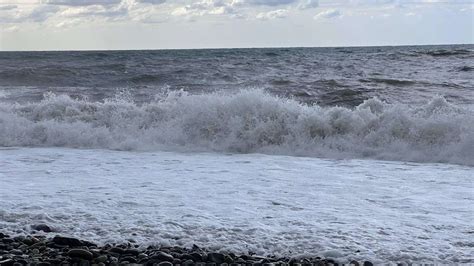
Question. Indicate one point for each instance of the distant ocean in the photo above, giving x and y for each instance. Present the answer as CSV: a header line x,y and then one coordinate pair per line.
x,y
378,126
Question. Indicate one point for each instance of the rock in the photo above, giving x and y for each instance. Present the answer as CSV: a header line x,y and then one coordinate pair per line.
x,y
188,262
80,253
142,256
196,256
7,262
16,252
30,241
165,263
102,258
368,263
2,235
67,241
117,250
354,263
132,252
216,257
42,227
129,259
53,261
162,256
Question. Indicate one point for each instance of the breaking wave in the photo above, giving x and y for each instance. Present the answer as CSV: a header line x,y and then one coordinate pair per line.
x,y
247,121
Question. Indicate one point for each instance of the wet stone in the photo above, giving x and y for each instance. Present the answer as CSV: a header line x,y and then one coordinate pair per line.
x,y
67,241
162,256
216,257
80,253
117,250
102,258
42,227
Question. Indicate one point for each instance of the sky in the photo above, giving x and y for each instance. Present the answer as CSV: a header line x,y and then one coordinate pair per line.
x,y
179,24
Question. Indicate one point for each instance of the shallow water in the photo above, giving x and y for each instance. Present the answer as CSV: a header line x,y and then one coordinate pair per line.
x,y
282,205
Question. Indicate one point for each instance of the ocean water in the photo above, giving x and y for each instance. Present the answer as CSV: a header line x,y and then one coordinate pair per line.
x,y
351,153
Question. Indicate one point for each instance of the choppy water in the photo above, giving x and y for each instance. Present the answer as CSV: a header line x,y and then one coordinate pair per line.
x,y
391,103
327,76
396,103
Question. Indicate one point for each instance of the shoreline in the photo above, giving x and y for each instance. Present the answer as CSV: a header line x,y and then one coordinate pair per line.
x,y
62,250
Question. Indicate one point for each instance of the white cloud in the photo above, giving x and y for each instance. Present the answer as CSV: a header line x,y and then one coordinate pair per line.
x,y
205,7
154,2
330,13
80,2
269,2
38,13
280,13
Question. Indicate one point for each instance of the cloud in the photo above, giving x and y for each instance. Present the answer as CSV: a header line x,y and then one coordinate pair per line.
x,y
154,2
305,4
330,13
280,13
89,12
36,14
8,7
269,2
80,2
205,7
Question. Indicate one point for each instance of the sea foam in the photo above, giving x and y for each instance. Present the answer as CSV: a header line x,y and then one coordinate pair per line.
x,y
248,121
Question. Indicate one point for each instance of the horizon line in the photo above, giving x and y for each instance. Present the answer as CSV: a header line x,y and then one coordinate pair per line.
x,y
234,48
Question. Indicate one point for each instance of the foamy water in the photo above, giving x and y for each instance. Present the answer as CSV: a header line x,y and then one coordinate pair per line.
x,y
348,153
245,122
270,205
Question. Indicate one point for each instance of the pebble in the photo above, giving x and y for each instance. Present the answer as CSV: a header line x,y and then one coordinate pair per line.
x,y
162,256
60,250
42,227
80,253
102,258
68,241
216,257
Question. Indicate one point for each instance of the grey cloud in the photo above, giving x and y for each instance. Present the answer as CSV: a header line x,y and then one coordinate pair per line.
x,y
41,13
269,2
154,2
38,14
330,13
80,2
305,4
280,13
97,11
395,2
8,7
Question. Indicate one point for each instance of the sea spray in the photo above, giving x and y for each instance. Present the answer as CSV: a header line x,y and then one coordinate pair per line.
x,y
247,121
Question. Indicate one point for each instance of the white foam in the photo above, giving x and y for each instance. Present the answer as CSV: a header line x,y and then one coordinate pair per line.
x,y
247,121
280,205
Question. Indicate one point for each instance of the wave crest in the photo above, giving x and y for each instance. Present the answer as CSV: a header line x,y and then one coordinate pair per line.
x,y
246,121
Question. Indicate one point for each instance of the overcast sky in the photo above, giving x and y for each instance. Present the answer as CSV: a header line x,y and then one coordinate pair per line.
x,y
156,24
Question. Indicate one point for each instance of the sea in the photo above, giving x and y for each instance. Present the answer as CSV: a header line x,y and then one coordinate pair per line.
x,y
350,153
